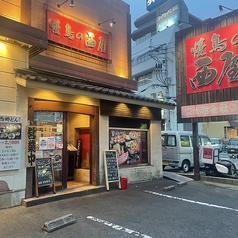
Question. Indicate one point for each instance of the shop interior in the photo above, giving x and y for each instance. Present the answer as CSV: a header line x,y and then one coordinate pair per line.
x,y
49,144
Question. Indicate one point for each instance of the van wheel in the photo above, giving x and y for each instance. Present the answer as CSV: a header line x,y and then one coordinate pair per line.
x,y
185,166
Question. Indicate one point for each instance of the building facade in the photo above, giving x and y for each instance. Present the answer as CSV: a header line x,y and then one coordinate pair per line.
x,y
153,56
67,97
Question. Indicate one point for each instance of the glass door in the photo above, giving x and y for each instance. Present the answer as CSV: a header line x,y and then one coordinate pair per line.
x,y
49,139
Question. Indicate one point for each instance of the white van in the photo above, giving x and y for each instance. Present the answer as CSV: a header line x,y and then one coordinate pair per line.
x,y
177,148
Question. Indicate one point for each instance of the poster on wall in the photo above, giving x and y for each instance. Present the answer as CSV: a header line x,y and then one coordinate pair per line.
x,y
128,145
47,143
10,142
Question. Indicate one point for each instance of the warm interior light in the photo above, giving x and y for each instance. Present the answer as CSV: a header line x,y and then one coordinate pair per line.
x,y
3,49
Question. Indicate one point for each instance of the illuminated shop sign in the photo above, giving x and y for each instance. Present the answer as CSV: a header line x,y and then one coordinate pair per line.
x,y
226,108
77,36
150,4
168,18
211,60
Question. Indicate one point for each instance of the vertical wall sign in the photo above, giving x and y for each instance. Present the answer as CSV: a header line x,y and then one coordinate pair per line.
x,y
111,168
10,142
31,146
77,36
211,60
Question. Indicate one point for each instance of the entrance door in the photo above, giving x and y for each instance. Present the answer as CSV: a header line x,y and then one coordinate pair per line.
x,y
49,140
79,144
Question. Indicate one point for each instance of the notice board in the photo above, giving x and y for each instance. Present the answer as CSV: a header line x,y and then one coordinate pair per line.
x,y
111,168
44,173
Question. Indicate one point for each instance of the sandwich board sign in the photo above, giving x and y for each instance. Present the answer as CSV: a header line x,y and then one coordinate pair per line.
x,y
111,168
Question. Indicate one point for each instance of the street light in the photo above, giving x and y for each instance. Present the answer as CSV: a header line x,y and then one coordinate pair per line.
x,y
221,8
112,22
71,3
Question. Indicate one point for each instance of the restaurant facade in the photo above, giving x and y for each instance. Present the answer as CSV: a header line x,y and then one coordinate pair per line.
x,y
67,96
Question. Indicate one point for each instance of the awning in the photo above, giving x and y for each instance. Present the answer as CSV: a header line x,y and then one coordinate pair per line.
x,y
31,79
24,34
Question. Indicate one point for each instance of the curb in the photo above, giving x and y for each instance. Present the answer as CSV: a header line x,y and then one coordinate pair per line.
x,y
169,188
58,223
56,197
181,184
228,181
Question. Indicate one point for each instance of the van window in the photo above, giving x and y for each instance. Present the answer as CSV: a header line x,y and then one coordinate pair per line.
x,y
206,140
169,140
203,140
184,140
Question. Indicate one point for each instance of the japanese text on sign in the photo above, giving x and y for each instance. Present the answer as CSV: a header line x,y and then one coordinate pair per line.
x,y
78,36
10,142
211,60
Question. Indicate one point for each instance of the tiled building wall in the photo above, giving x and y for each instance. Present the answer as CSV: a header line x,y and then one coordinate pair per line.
x,y
13,103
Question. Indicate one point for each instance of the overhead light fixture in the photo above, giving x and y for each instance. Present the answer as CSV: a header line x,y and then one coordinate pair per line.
x,y
71,3
112,22
221,8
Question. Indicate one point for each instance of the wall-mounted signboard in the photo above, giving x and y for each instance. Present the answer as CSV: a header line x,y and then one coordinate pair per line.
x,y
111,168
10,142
211,60
77,36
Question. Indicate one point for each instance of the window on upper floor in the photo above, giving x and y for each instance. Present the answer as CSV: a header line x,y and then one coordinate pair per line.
x,y
144,79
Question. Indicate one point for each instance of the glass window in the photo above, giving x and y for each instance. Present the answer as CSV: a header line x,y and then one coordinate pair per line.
x,y
144,79
49,138
185,141
206,140
169,140
129,137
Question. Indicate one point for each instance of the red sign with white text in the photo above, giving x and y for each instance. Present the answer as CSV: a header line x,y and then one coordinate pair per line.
x,y
75,35
211,60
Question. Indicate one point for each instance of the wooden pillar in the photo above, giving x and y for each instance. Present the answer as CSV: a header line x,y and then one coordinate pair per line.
x,y
30,170
196,152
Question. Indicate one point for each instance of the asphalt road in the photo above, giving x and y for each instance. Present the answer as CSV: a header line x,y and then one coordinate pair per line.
x,y
143,210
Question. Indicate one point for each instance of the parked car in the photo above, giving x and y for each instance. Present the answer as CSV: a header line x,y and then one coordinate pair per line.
x,y
219,142
232,146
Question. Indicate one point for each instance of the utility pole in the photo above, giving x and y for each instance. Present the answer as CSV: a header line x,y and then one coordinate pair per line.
x,y
162,74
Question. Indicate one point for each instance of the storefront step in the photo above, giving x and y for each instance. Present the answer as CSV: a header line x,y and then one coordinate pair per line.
x,y
63,194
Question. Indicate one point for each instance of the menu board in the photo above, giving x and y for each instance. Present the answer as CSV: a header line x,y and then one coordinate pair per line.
x,y
111,167
44,173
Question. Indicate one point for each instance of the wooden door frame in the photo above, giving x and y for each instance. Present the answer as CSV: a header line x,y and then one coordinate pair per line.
x,y
65,107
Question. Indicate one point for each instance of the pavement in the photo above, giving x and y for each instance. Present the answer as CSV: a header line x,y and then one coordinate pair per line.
x,y
179,179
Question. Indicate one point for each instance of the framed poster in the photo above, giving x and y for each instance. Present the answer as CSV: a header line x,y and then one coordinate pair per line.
x,y
128,144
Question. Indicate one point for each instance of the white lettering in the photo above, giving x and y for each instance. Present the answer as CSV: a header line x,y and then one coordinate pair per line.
x,y
169,12
149,2
117,227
